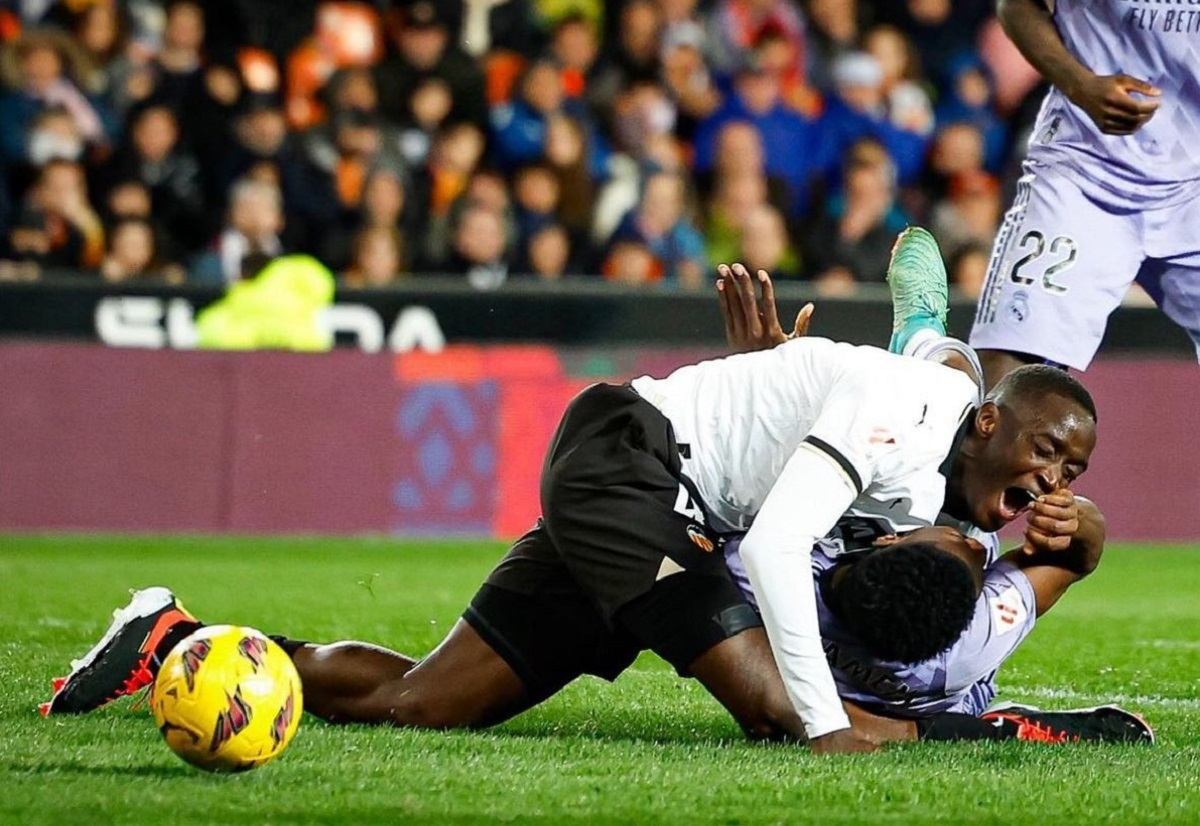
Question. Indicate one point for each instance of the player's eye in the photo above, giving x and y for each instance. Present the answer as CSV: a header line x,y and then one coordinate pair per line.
x,y
1043,448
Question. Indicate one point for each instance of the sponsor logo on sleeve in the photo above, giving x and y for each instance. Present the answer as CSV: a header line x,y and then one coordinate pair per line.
x,y
1008,610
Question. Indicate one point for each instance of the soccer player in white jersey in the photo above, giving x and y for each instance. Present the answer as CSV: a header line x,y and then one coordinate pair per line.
x,y
1111,184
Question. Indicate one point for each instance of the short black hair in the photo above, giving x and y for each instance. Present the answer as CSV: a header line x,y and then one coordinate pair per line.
x,y
1033,381
908,602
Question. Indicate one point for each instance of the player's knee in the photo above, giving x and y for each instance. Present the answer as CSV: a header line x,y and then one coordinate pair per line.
x,y
770,718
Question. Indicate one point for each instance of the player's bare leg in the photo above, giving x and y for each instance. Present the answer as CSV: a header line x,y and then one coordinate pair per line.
x,y
463,683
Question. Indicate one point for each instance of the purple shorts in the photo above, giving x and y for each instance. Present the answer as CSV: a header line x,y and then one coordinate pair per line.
x,y
1062,263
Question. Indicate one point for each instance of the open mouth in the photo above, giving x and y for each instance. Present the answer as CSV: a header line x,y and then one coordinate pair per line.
x,y
1014,501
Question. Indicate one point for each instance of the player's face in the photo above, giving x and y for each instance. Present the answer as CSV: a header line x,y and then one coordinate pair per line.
x,y
1023,452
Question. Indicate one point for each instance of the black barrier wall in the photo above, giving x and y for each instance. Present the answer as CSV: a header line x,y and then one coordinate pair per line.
x,y
424,311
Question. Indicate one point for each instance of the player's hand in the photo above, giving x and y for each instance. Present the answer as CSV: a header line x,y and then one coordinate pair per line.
x,y
751,322
1053,521
1107,101
843,741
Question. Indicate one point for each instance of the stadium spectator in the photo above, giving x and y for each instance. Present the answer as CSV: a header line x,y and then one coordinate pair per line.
x,y
906,102
177,68
347,34
264,148
734,198
101,31
970,215
640,112
631,263
153,155
431,106
969,100
574,47
567,158
536,195
253,225
480,248
941,30
765,245
687,77
54,134
44,69
623,188
347,149
854,236
734,27
57,226
519,126
968,268
833,28
787,138
133,253
383,206
377,260
546,254
957,149
660,224
455,155
634,57
858,109
424,48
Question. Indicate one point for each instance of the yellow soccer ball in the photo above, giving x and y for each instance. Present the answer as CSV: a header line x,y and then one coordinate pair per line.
x,y
227,699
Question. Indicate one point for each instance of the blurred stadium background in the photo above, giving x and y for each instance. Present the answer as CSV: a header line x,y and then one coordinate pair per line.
x,y
507,199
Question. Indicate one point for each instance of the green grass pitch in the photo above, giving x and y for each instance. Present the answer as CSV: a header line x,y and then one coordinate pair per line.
x,y
651,747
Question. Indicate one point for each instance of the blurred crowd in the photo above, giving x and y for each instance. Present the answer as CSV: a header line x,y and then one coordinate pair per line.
x,y
635,141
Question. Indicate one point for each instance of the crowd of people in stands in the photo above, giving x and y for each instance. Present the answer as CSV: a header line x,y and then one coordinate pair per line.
x,y
636,141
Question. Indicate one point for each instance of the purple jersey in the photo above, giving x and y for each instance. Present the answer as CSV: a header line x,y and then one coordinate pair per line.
x,y
1153,40
961,679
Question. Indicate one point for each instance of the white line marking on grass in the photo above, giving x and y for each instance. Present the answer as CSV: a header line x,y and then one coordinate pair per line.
x,y
1123,699
1190,645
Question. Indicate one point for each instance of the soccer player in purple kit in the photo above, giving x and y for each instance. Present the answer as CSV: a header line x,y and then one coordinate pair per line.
x,y
1111,184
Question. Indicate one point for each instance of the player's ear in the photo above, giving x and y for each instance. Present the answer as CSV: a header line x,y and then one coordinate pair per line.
x,y
987,419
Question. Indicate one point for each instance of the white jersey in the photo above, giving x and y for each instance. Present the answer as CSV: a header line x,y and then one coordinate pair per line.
x,y
782,443
887,420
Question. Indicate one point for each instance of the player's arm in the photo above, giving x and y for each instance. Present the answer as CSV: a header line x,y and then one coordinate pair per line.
x,y
816,487
1051,572
1105,98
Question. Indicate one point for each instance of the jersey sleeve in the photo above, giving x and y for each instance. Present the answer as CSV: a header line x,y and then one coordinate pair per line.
x,y
1005,613
810,495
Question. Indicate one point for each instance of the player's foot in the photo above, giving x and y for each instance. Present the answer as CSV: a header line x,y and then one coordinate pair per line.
x,y
127,657
917,278
1102,724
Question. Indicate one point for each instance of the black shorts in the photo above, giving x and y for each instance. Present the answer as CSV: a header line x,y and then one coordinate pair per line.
x,y
621,560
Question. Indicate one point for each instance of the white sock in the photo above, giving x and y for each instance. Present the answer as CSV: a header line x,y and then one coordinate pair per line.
x,y
929,346
919,338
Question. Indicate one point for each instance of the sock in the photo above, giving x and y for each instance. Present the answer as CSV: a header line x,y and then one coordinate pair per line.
x,y
919,338
172,638
916,327
928,345
949,726
289,646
